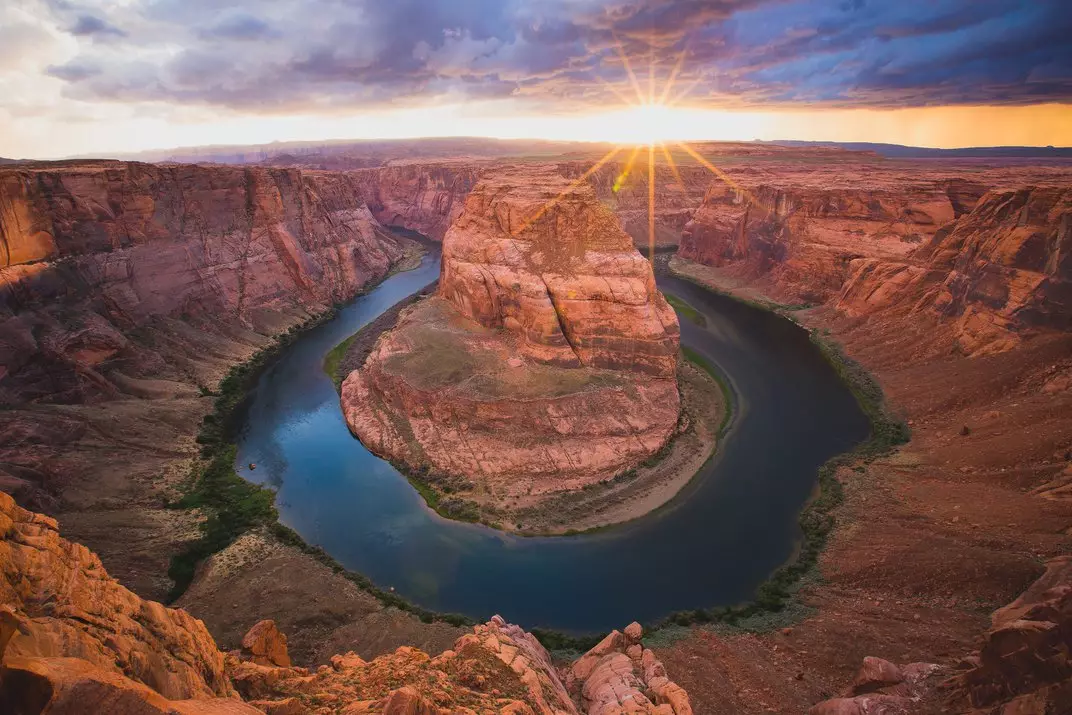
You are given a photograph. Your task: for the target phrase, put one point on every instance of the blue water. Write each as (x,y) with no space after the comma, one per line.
(723,535)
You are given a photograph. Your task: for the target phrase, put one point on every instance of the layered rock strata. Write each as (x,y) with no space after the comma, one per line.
(997,273)
(98,258)
(546,359)
(72,641)
(126,292)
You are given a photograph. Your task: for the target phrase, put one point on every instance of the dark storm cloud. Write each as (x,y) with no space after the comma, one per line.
(292,54)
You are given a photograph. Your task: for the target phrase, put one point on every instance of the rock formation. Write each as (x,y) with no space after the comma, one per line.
(421,197)
(997,272)
(126,293)
(73,641)
(96,255)
(60,602)
(545,361)
(806,234)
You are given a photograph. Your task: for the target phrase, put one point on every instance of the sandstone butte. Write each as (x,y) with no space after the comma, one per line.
(545,361)
(74,641)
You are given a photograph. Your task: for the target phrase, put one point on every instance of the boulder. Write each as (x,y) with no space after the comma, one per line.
(265,645)
(72,686)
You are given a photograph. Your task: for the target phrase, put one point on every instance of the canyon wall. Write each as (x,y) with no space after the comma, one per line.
(994,261)
(96,256)
(546,360)
(127,291)
(997,273)
(421,197)
(965,326)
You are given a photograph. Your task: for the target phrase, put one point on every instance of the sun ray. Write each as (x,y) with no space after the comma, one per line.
(619,182)
(685,92)
(617,92)
(673,167)
(718,172)
(651,202)
(651,77)
(629,69)
(561,195)
(673,74)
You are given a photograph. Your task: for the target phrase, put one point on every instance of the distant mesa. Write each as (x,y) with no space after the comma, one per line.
(545,361)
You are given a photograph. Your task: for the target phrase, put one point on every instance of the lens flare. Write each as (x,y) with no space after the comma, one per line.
(645,123)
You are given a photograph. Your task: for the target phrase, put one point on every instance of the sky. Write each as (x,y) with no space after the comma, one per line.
(83,76)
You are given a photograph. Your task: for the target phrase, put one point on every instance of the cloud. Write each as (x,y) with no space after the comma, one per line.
(91,26)
(292,55)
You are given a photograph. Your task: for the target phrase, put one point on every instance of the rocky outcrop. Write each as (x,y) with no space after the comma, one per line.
(496,668)
(72,686)
(620,675)
(72,641)
(543,260)
(62,603)
(1026,659)
(545,361)
(265,645)
(999,272)
(882,688)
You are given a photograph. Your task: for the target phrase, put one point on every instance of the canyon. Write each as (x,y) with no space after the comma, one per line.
(546,360)
(73,640)
(130,289)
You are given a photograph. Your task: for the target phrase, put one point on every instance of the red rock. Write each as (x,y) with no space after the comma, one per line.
(72,686)
(995,273)
(141,242)
(265,645)
(422,197)
(290,706)
(875,674)
(67,605)
(566,295)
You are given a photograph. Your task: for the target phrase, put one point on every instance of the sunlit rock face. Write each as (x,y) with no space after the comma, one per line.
(547,359)
(996,274)
(99,257)
(802,236)
(568,284)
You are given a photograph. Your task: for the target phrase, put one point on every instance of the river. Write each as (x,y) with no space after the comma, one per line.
(712,545)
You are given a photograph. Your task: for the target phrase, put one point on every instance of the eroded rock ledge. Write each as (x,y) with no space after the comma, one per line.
(73,640)
(546,360)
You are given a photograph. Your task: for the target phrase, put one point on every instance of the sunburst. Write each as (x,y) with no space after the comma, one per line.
(648,111)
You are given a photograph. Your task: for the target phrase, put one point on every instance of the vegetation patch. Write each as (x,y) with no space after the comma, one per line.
(727,393)
(334,358)
(686,310)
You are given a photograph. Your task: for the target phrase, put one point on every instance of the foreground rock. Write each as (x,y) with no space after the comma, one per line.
(74,641)
(546,360)
(620,675)
(59,601)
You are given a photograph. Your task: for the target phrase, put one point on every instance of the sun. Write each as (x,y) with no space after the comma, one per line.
(645,124)
(649,123)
